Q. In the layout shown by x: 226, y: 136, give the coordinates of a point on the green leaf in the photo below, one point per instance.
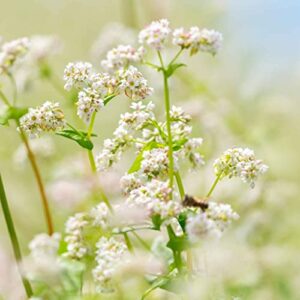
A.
x: 172, y: 68
x: 157, y: 221
x: 178, y: 144
x: 79, y: 137
x: 136, y: 165
x: 179, y: 243
x: 182, y: 220
x: 12, y: 113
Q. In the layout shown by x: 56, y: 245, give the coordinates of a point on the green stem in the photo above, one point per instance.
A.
x: 4, y: 98
x: 214, y: 185
x: 13, y: 237
x: 132, y: 229
x: 176, y: 254
x: 180, y: 185
x: 91, y: 126
x: 15, y: 88
x: 176, y: 56
x: 128, y: 242
x: 168, y: 121
x: 147, y: 247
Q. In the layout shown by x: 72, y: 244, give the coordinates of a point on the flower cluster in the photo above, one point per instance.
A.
x: 121, y: 57
x: 10, y: 52
x: 210, y: 222
x: 108, y: 255
x: 74, y: 236
x: 44, y: 246
x: 99, y: 215
x: 134, y: 84
x: 123, y: 135
x: 46, y: 118
x: 154, y: 196
x: 156, y: 34
x: 204, y: 40
x: 239, y: 162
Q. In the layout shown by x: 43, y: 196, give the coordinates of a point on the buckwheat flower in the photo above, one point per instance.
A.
x: 43, y: 245
x: 191, y: 151
x: 134, y: 84
x: 155, y: 162
x: 239, y: 162
x: 108, y: 155
x: 222, y: 214
x: 10, y: 52
x: 99, y: 215
x: 74, y: 228
x: 178, y: 114
x: 205, y: 40
x: 154, y: 196
x: 181, y: 38
x: 122, y: 56
x: 103, y: 83
x: 156, y: 34
x: 130, y: 182
x: 45, y: 118
x: 109, y: 255
x: 76, y: 74
x: 180, y: 131
x: 199, y: 227
x: 88, y: 102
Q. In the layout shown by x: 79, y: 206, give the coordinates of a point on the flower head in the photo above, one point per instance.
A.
x: 10, y: 52
x: 46, y: 118
x: 156, y: 34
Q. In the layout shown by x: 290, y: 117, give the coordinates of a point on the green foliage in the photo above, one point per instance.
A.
x: 172, y: 68
x: 79, y: 137
x: 12, y: 113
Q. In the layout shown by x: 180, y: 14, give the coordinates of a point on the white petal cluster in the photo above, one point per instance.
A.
x: 221, y: 214
x: 156, y: 34
x: 89, y: 101
x: 200, y: 227
x: 204, y: 40
x: 154, y: 196
x: 45, y: 118
x: 123, y: 135
x: 155, y: 162
x: 109, y: 255
x: 99, y: 215
x: 134, y: 85
x: 74, y: 228
x: 210, y: 223
x: 44, y: 246
x: 10, y: 52
x: 121, y: 57
x: 180, y: 124
x: 76, y: 74
x: 239, y: 162
x: 191, y: 152
x: 130, y: 182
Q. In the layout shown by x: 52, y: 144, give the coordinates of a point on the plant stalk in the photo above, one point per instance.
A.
x: 13, y: 237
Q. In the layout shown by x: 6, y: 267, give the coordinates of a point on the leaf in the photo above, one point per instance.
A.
x: 182, y: 220
x: 136, y: 165
x: 157, y: 221
x: 172, y: 68
x: 179, y: 243
x: 12, y: 113
x: 79, y: 137
x: 178, y: 144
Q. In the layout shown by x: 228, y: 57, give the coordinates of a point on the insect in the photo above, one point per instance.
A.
x: 195, y: 202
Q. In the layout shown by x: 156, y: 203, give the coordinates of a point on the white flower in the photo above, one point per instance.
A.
x: 130, y: 182
x: 155, y: 162
x: 46, y: 118
x: 204, y: 40
x: 109, y: 255
x: 239, y: 162
x: 222, y: 214
x: 191, y: 151
x: 134, y: 84
x: 74, y: 227
x: 43, y: 245
x: 88, y: 102
x: 99, y: 215
x: 10, y: 52
x: 122, y: 56
x: 76, y: 74
x: 200, y: 227
x: 156, y: 34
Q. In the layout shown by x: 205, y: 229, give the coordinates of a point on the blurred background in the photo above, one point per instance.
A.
x: 248, y: 95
